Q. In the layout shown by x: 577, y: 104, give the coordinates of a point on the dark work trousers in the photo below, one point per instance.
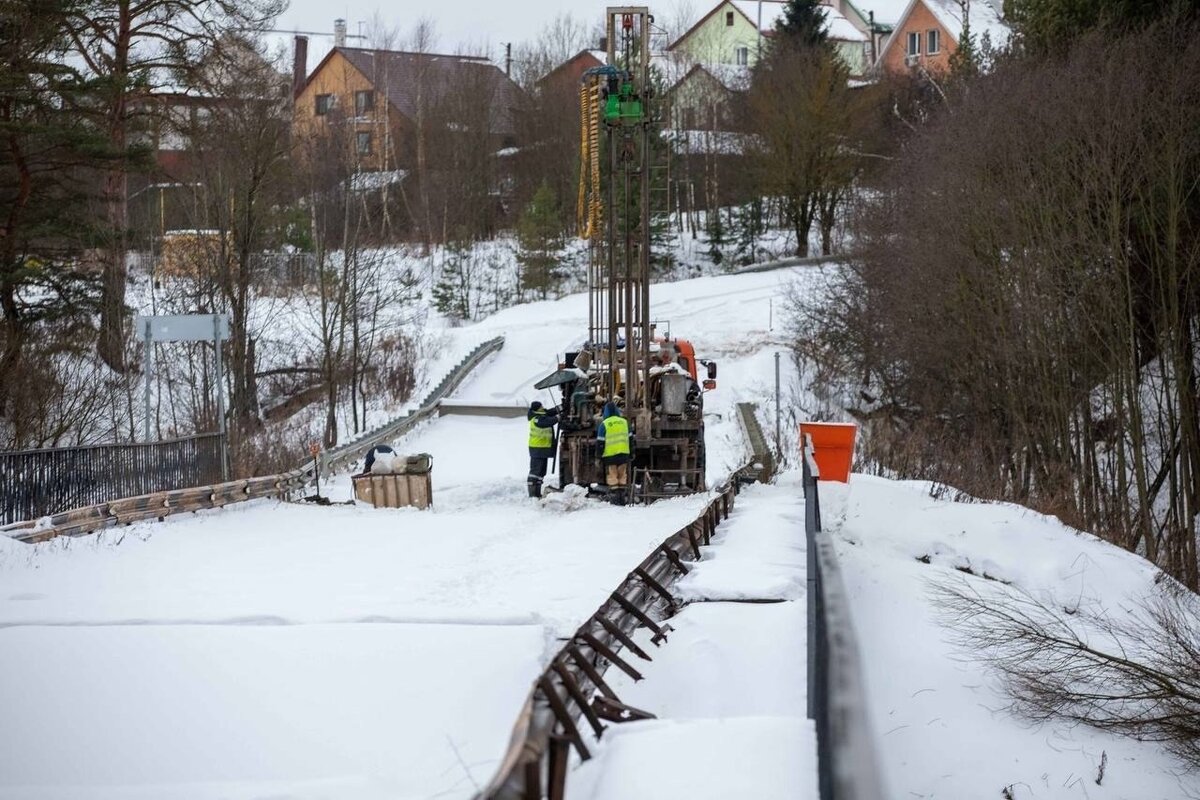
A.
x: 539, y: 459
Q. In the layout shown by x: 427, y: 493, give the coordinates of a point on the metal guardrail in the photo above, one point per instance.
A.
x: 793, y: 261
x: 764, y: 459
x: 847, y: 761
x: 37, y: 483
x: 161, y: 504
x: 572, y: 687
x: 157, y: 505
x: 338, y: 457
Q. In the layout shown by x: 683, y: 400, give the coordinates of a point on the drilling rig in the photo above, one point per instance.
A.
x: 650, y: 376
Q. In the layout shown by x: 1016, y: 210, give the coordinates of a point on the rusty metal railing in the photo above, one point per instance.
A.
x: 571, y: 691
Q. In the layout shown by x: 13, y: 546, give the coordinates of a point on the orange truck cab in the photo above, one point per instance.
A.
x: 683, y: 353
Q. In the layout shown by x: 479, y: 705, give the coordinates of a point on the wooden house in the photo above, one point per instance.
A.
x: 375, y: 99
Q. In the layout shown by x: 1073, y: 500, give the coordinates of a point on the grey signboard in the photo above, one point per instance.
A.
x: 182, y: 327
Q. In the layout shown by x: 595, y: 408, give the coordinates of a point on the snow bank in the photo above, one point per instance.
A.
x: 940, y: 718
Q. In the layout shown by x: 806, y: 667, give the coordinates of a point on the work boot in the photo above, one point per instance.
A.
x: 616, y: 496
x: 535, y: 488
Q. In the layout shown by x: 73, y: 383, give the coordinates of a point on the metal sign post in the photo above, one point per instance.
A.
x: 187, y: 328
x: 778, y: 443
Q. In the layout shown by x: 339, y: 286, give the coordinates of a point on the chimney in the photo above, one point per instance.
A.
x: 339, y: 33
x: 299, y: 64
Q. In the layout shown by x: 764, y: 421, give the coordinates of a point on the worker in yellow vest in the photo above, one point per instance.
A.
x: 614, y: 444
x: 541, y: 444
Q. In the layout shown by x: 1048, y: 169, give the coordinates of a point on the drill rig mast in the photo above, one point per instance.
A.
x: 653, y: 379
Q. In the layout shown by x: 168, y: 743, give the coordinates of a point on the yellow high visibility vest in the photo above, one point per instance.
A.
x: 540, y: 437
x: 616, y: 436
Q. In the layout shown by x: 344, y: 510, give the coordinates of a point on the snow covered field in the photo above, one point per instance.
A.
x: 274, y: 649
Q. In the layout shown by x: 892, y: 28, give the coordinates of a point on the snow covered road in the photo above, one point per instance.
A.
x: 282, y: 650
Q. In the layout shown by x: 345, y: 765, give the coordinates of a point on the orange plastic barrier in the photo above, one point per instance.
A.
x: 833, y: 447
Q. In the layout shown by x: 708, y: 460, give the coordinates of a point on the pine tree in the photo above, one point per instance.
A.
x: 749, y: 226
x: 964, y: 61
x: 803, y: 22
x: 714, y: 230
x: 539, y: 237
x: 452, y: 292
x: 49, y: 156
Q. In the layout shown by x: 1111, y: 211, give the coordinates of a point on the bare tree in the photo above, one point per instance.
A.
x: 806, y: 118
x: 1026, y: 292
x: 1137, y: 674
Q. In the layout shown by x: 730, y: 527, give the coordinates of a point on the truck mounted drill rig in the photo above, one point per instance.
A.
x: 652, y: 378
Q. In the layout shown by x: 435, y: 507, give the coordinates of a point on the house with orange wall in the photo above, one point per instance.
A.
x: 928, y: 32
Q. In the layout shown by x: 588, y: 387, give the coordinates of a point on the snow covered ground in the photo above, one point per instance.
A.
x: 939, y: 717
x: 728, y: 686
x: 281, y: 650
x: 273, y: 649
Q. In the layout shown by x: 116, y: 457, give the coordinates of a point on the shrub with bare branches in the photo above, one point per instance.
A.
x: 1135, y: 673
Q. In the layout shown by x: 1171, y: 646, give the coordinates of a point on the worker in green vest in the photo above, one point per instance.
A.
x: 541, y: 444
x: 614, y: 444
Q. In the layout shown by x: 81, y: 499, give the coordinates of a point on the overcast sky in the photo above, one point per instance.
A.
x: 457, y: 22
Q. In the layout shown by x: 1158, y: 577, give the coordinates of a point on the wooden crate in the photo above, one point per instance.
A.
x: 395, y: 491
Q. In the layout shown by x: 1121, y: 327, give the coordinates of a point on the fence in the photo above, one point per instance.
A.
x: 202, y: 494
x: 38, y: 483
x: 848, y: 765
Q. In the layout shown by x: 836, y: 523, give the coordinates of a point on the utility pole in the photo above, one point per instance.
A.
x: 508, y: 60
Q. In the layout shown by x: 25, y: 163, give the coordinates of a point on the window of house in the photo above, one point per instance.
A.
x: 364, y: 101
x: 743, y: 56
x: 324, y: 104
x: 363, y: 140
x: 728, y: 19
x: 934, y: 43
x: 914, y: 43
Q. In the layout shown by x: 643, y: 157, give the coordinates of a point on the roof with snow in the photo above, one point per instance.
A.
x: 887, y: 12
x: 984, y: 19
x: 405, y: 73
x: 839, y: 28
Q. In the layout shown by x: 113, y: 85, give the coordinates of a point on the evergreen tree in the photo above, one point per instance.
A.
x: 714, y: 230
x: 539, y: 237
x: 1047, y: 26
x: 49, y: 157
x: 749, y: 226
x: 452, y: 292
x: 803, y: 22
x: 964, y: 61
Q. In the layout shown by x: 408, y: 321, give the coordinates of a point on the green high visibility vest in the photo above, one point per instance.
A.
x: 540, y: 437
x: 616, y: 436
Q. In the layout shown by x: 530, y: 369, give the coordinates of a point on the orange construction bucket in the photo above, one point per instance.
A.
x: 833, y: 447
